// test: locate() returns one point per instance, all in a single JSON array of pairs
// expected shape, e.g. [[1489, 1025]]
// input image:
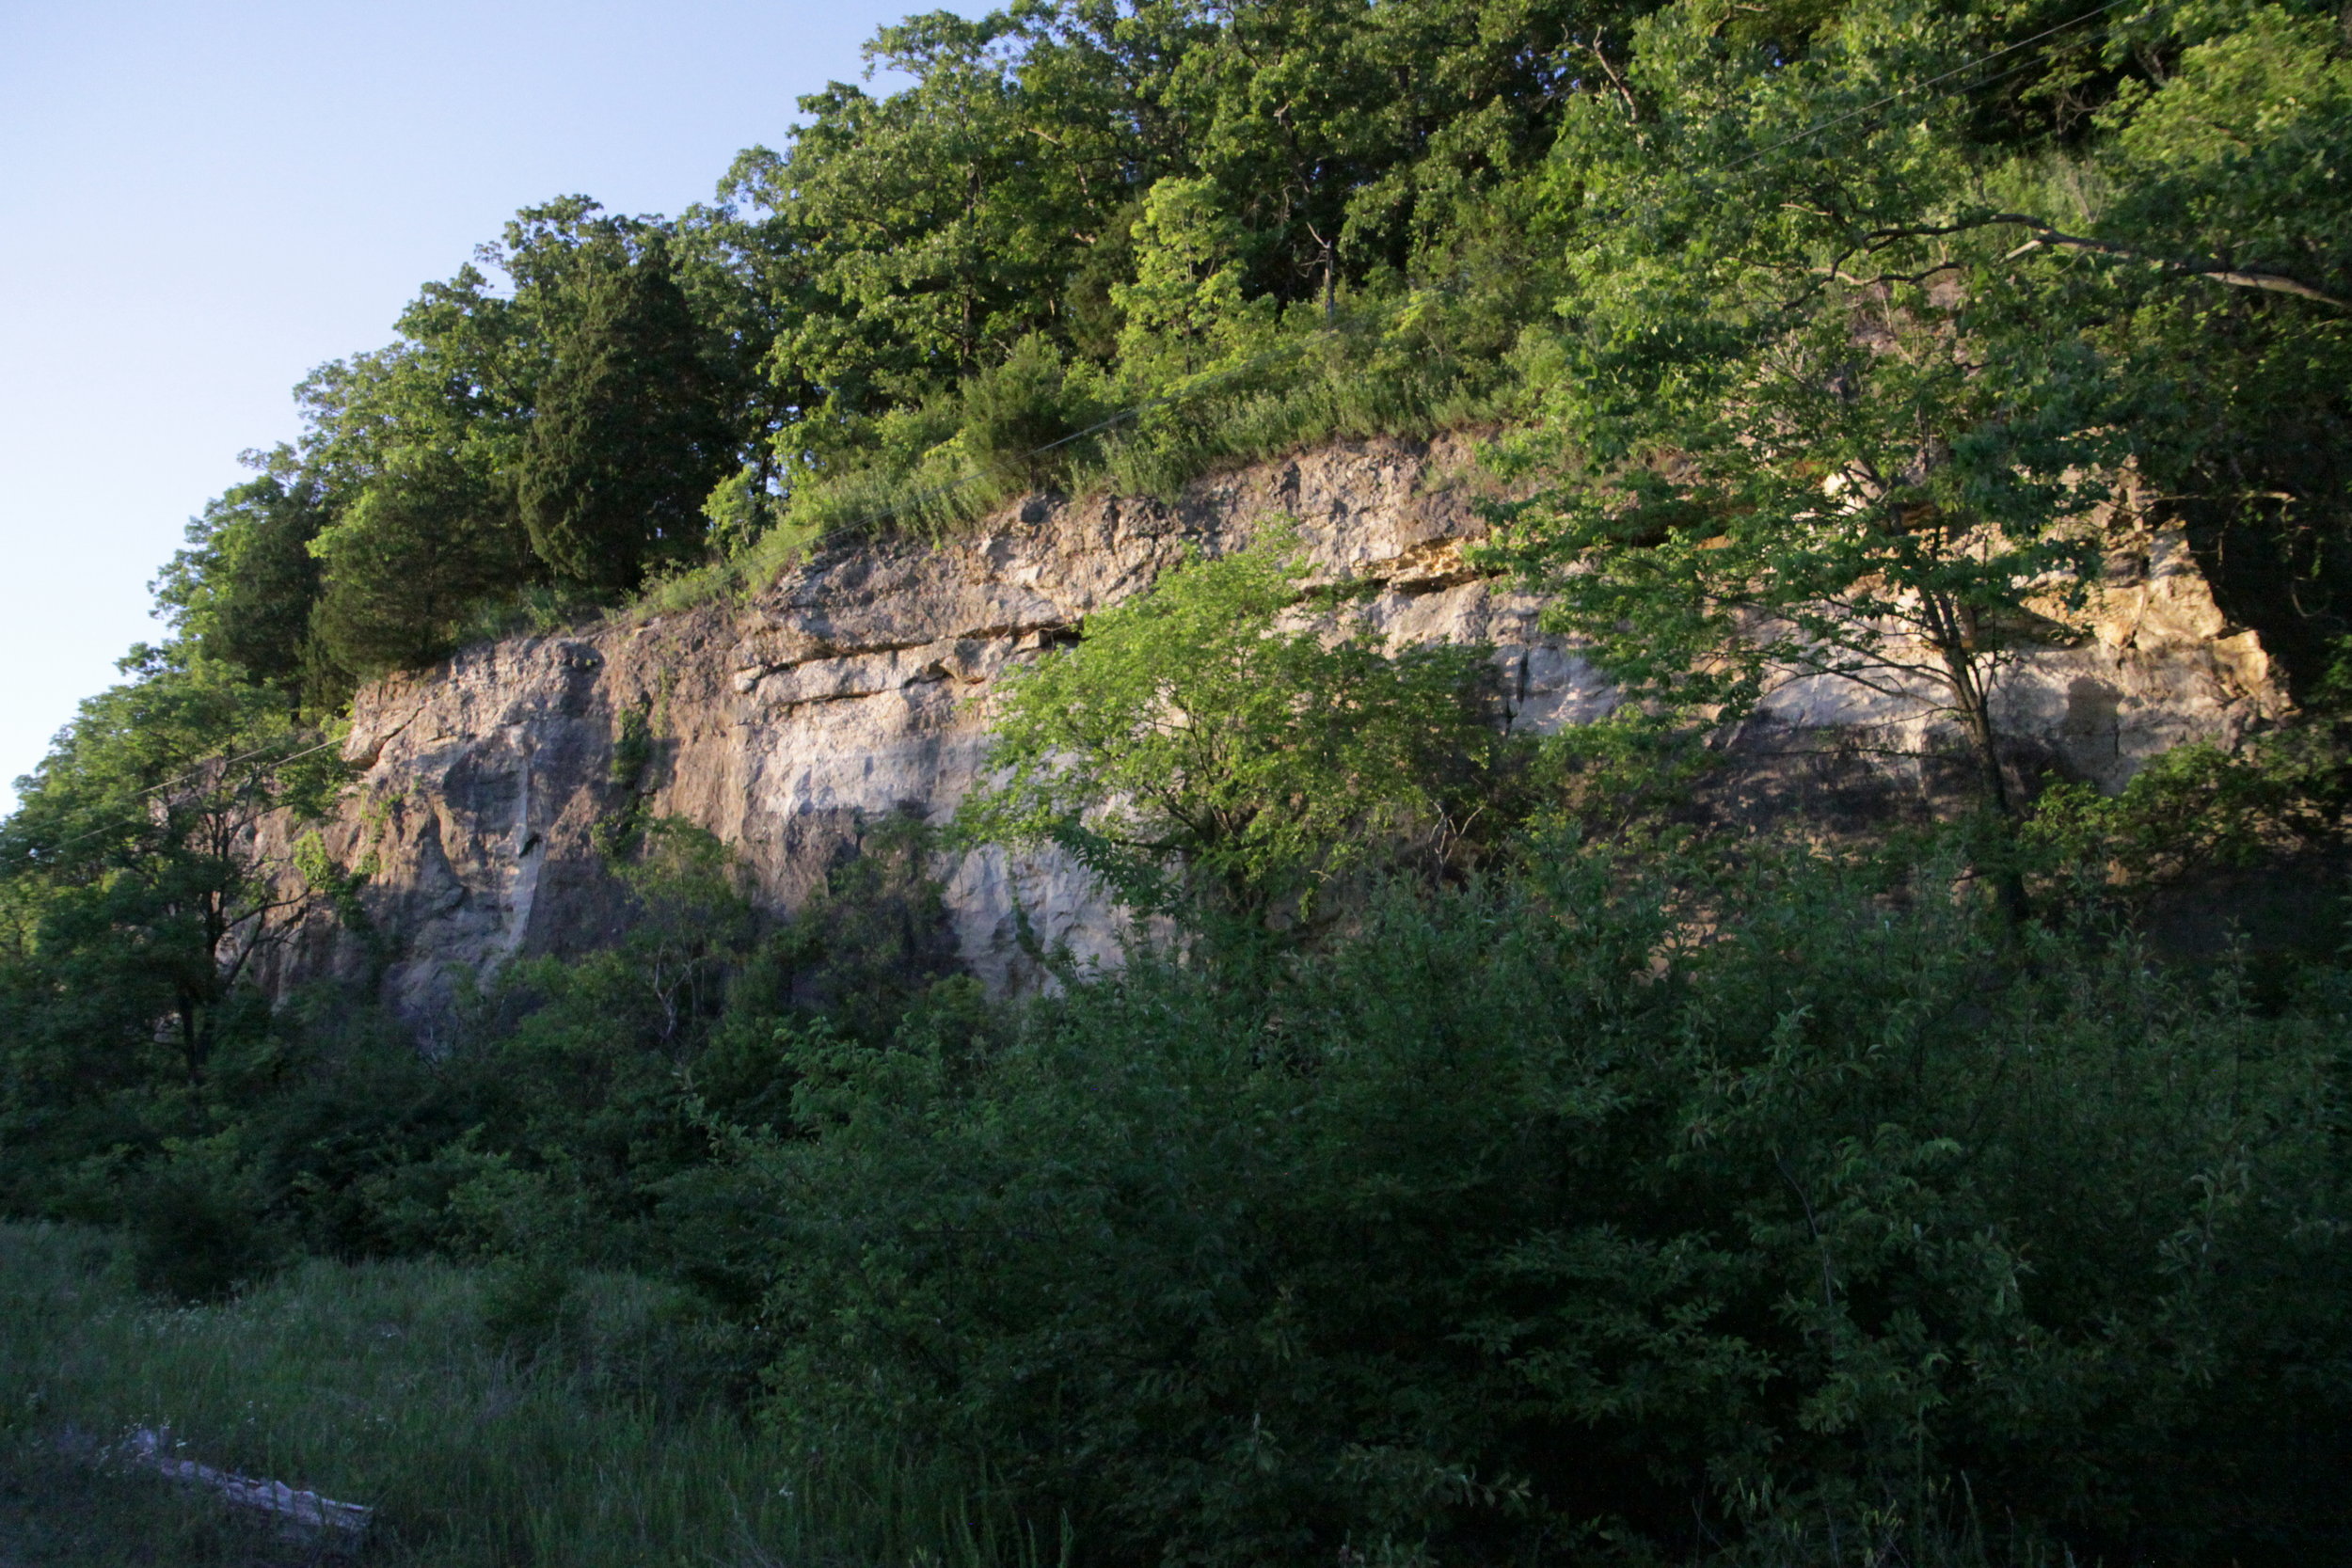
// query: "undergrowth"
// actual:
[[486, 1422], [933, 471]]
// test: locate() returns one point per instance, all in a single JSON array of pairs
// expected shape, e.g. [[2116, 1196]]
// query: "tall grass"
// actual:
[[1171, 445], [1352, 379], [607, 1444], [749, 570]]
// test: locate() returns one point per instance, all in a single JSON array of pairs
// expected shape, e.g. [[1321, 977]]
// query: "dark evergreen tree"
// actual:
[[242, 590], [411, 559], [630, 434]]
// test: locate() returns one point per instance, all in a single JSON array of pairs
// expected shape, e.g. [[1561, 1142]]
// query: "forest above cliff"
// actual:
[[1104, 246]]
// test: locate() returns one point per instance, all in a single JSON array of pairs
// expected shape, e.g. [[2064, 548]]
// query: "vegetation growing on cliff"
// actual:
[[1228, 746], [1861, 403], [1479, 1158], [1977, 264]]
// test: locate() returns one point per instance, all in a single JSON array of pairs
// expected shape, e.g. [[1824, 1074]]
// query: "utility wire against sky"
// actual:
[[1917, 87], [197, 772]]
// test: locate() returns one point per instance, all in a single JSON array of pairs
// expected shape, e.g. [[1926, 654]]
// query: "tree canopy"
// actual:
[[627, 440], [1856, 379]]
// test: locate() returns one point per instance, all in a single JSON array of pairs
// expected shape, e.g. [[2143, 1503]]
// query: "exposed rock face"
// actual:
[[856, 688], [2153, 664]]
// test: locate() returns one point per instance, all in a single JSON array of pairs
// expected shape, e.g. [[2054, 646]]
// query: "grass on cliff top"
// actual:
[[1326, 383], [1317, 386], [605, 1447]]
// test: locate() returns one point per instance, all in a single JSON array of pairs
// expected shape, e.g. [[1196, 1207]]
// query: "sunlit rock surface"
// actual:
[[856, 687]]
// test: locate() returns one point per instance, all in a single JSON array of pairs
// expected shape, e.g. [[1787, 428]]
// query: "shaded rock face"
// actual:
[[855, 689]]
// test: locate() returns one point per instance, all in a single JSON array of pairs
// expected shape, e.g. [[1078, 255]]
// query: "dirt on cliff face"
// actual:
[[854, 690]]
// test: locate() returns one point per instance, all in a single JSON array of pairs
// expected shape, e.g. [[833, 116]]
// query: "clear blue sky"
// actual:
[[202, 201]]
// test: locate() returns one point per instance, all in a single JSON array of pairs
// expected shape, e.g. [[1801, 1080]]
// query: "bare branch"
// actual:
[[1884, 279], [2046, 237], [2272, 283], [1625, 93]]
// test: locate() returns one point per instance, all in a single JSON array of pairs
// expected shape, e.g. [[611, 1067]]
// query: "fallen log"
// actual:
[[306, 1511]]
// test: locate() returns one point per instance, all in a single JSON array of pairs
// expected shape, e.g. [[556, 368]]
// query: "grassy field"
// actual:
[[598, 1434]]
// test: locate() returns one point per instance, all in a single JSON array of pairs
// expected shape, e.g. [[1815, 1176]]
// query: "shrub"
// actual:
[[1236, 742], [1527, 1225], [196, 1222], [1031, 399]]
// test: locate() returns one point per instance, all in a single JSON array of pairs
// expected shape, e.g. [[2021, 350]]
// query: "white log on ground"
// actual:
[[307, 1511]]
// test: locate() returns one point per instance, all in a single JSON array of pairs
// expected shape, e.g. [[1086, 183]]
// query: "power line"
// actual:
[[1920, 87], [196, 771]]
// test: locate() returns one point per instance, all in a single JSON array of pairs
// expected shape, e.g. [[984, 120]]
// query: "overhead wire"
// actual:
[[196, 772], [1917, 87]]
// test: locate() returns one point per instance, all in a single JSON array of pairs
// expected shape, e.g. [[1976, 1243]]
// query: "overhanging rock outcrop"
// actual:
[[854, 688]]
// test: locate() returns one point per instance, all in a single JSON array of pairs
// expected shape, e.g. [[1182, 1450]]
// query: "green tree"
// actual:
[[1823, 413], [146, 887], [243, 591], [932, 229], [1186, 309], [414, 452], [1312, 146], [2232, 167], [410, 559], [408, 448], [1535, 1222], [1350, 142], [1235, 736], [630, 434]]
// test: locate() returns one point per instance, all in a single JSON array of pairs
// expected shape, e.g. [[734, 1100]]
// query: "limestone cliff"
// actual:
[[854, 686]]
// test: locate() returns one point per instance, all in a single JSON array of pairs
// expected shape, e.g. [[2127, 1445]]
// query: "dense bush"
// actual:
[[1639, 1203], [1609, 1212], [1237, 744], [198, 1230], [1636, 1204], [1021, 414]]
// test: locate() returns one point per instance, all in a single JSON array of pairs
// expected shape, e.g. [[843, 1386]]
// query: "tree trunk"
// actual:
[[1954, 634], [191, 1042], [1973, 699], [1975, 714]]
